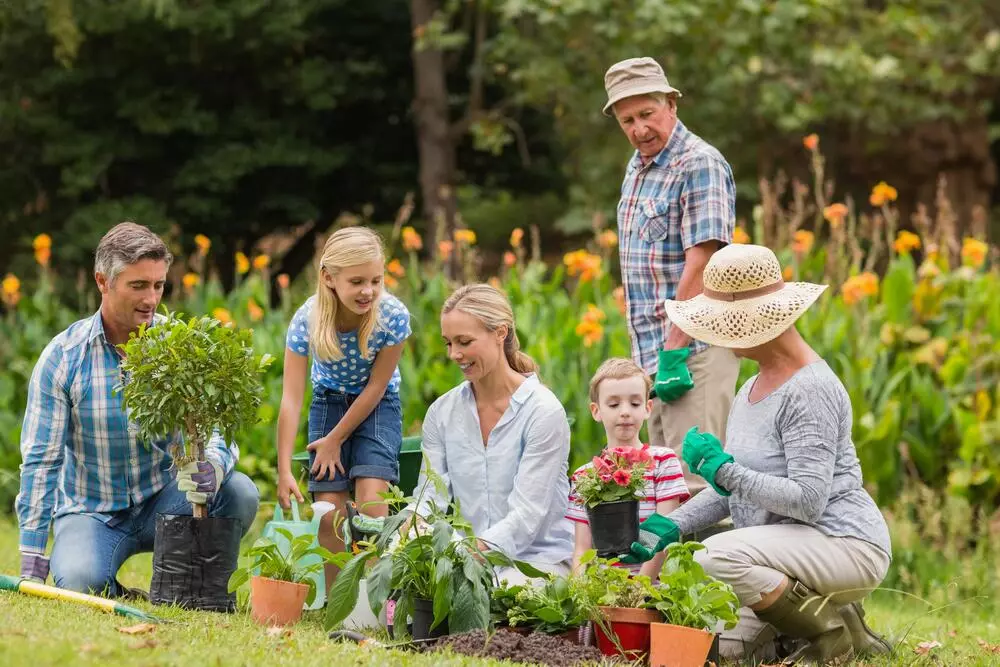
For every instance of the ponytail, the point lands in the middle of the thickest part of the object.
(518, 360)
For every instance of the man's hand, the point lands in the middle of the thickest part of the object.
(673, 378)
(655, 533)
(288, 486)
(327, 458)
(34, 566)
(704, 456)
(200, 479)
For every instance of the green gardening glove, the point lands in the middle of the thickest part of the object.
(655, 533)
(673, 379)
(703, 454)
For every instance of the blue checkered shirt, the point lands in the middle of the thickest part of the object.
(682, 197)
(80, 453)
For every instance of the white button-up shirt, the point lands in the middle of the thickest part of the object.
(514, 488)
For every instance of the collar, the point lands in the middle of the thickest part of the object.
(96, 327)
(674, 145)
(520, 395)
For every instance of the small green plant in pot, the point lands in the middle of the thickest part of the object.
(557, 607)
(616, 601)
(692, 604)
(279, 584)
(609, 488)
(188, 386)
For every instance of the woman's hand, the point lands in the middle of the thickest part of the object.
(704, 456)
(288, 486)
(327, 458)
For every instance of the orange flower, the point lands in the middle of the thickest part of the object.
(835, 213)
(515, 237)
(619, 296)
(593, 314)
(203, 244)
(906, 242)
(740, 235)
(395, 267)
(787, 274)
(509, 259)
(811, 142)
(607, 239)
(242, 264)
(256, 312)
(590, 331)
(42, 255)
(10, 290)
(223, 316)
(858, 287)
(802, 242)
(495, 283)
(391, 282)
(445, 248)
(42, 242)
(973, 252)
(583, 263)
(261, 262)
(190, 280)
(465, 236)
(283, 280)
(411, 240)
(882, 194)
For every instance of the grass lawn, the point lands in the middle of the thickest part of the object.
(40, 632)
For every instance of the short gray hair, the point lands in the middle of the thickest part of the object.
(127, 243)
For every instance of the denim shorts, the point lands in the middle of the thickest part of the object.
(371, 451)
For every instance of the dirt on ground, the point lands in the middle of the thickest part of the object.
(506, 645)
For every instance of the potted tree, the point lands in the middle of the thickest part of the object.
(281, 580)
(609, 488)
(692, 604)
(185, 382)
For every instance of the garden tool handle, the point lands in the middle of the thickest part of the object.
(355, 637)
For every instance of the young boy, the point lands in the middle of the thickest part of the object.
(619, 399)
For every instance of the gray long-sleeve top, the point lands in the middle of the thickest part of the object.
(795, 463)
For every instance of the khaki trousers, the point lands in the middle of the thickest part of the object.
(755, 560)
(714, 371)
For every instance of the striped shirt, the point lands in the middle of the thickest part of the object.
(664, 481)
(80, 453)
(682, 197)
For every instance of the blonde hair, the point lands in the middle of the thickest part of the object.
(491, 307)
(616, 368)
(348, 246)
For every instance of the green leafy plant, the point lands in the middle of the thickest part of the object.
(604, 584)
(192, 377)
(557, 606)
(268, 559)
(689, 597)
(616, 475)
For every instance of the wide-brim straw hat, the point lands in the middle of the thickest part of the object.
(745, 302)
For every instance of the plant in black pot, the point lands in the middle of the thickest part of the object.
(609, 488)
(186, 382)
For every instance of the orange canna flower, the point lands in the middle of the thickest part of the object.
(583, 263)
(223, 316)
(906, 242)
(811, 142)
(740, 235)
(203, 244)
(242, 264)
(395, 268)
(509, 259)
(882, 194)
(787, 274)
(802, 242)
(516, 236)
(858, 287)
(411, 240)
(256, 312)
(445, 248)
(43, 255)
(261, 262)
(11, 284)
(42, 241)
(465, 236)
(973, 252)
(619, 296)
(190, 280)
(607, 239)
(590, 331)
(284, 281)
(494, 282)
(391, 282)
(835, 214)
(593, 314)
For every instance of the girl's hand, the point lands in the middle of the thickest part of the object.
(287, 487)
(327, 458)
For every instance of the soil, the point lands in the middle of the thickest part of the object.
(506, 645)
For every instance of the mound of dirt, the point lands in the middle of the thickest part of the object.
(506, 645)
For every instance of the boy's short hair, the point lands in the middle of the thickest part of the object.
(616, 368)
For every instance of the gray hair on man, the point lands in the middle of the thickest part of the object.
(125, 244)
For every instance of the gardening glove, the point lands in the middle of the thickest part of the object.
(673, 378)
(200, 479)
(703, 454)
(655, 533)
(34, 566)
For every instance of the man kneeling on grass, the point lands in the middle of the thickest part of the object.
(82, 463)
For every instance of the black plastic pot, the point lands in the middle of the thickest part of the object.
(614, 527)
(193, 560)
(423, 617)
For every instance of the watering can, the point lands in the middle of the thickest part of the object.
(296, 526)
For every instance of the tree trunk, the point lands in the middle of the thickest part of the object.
(435, 146)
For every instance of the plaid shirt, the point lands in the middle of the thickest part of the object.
(80, 454)
(682, 197)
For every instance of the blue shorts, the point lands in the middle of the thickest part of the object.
(371, 451)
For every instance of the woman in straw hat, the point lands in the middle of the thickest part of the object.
(808, 541)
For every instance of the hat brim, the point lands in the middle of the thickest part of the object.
(743, 324)
(641, 89)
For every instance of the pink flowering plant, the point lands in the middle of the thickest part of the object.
(617, 474)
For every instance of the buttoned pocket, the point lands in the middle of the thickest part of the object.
(657, 217)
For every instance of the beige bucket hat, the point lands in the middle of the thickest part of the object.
(635, 76)
(745, 302)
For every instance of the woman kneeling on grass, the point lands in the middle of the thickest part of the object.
(499, 440)
(809, 542)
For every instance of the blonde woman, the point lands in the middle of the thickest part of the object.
(355, 332)
(809, 542)
(499, 440)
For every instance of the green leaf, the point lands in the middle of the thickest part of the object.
(442, 591)
(343, 594)
(379, 582)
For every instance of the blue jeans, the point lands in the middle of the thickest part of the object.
(371, 451)
(87, 552)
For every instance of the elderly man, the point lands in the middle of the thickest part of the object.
(677, 207)
(83, 467)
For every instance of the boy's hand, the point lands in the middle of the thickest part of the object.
(655, 533)
(673, 377)
(704, 455)
(288, 486)
(327, 458)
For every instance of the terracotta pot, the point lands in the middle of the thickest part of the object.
(274, 602)
(630, 626)
(677, 646)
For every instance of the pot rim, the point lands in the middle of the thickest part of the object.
(277, 581)
(630, 615)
